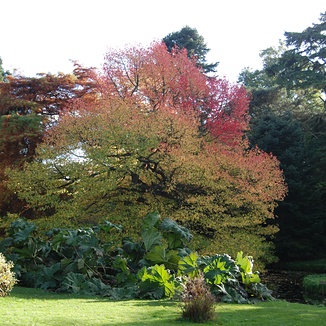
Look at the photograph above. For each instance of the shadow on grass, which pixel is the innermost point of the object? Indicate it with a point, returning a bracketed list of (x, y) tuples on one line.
[(151, 313), (32, 293), (161, 312)]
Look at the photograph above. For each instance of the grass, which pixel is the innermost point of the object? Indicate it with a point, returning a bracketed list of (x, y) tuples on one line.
[(35, 307), (315, 284)]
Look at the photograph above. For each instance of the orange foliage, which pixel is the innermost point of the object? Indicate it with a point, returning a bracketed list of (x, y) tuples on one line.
[(158, 134), (161, 79)]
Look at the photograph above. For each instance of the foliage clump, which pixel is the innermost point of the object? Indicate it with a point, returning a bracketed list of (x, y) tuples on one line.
[(156, 266), (159, 135), (7, 277), (198, 303), (315, 284)]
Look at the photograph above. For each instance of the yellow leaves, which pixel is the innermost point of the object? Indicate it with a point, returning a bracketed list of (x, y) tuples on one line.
[(140, 146)]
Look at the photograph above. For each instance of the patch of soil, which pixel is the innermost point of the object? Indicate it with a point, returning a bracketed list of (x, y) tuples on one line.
[(286, 285)]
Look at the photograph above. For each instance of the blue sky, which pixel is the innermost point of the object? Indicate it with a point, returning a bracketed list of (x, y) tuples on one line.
[(43, 35)]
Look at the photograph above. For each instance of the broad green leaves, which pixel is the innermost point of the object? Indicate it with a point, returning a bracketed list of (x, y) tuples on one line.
[(151, 238), (188, 265), (159, 255), (78, 261), (246, 265), (155, 281), (150, 221), (176, 235)]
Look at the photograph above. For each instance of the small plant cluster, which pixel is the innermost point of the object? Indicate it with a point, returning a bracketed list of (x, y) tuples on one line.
[(198, 303), (315, 287), (7, 277), (156, 266)]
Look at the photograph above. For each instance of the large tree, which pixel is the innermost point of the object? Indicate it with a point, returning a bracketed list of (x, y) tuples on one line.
[(28, 107), (188, 38), (288, 119), (303, 65), (160, 135)]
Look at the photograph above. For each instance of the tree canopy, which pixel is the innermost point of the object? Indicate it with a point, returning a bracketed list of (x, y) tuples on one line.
[(158, 135), (303, 65), (287, 112), (28, 107), (188, 38)]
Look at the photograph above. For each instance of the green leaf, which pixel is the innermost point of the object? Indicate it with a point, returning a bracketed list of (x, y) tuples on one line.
[(21, 230), (220, 268), (151, 290), (107, 226), (245, 263), (175, 234), (254, 278), (215, 276), (246, 266), (150, 220), (188, 265), (142, 273), (123, 293), (66, 261), (81, 263), (74, 282), (157, 279), (172, 227), (47, 279), (27, 252), (96, 286), (121, 263), (160, 274), (156, 255), (151, 237), (159, 255), (169, 289), (49, 271), (174, 242)]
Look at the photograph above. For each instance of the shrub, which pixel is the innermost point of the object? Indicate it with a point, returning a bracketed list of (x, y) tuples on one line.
[(86, 260), (315, 284), (7, 277), (198, 304)]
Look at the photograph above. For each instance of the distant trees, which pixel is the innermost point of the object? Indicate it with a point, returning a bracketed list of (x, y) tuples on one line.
[(288, 119), (158, 135), (188, 38), (303, 64)]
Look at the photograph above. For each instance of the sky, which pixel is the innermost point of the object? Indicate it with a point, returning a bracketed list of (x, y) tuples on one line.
[(41, 36)]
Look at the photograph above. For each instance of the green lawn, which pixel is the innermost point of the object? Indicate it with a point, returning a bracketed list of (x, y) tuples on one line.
[(26, 307)]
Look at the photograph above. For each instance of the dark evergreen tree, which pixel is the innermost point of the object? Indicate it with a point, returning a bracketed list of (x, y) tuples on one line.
[(303, 65), (288, 119), (190, 39)]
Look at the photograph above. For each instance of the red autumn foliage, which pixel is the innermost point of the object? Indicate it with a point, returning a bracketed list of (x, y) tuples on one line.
[(158, 134), (46, 94), (162, 79)]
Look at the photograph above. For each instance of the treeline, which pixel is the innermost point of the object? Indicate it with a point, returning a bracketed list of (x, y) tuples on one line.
[(288, 118), (155, 130)]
